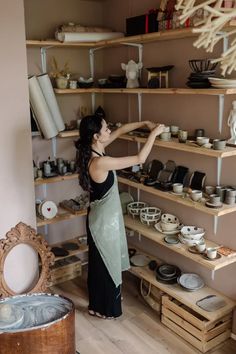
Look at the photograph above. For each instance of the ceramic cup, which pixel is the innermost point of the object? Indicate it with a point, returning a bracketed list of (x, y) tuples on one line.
[(211, 252), (209, 190), (214, 199), (166, 129), (73, 84), (174, 129), (219, 144), (165, 136), (177, 187), (201, 246), (202, 140), (199, 132), (183, 136), (196, 195)]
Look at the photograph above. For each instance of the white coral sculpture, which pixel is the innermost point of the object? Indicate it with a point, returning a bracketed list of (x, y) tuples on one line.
[(212, 28)]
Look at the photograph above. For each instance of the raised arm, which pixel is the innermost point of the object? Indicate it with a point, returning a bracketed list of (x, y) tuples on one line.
[(129, 127), (102, 165)]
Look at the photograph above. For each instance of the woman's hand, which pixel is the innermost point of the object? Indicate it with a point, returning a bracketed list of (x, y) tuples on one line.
[(150, 125), (159, 128)]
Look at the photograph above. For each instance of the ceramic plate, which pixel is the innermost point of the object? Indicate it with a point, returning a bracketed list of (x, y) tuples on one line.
[(193, 249), (171, 240), (210, 205), (140, 260), (179, 194), (191, 281), (158, 228), (218, 256)]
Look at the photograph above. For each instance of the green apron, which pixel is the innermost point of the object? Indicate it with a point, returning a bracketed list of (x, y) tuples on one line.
[(107, 228)]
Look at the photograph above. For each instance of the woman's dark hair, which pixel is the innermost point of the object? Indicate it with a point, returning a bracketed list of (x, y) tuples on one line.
[(89, 126)]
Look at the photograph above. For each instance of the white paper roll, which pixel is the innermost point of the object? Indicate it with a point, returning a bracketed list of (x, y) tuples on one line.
[(49, 95), (41, 109), (87, 36)]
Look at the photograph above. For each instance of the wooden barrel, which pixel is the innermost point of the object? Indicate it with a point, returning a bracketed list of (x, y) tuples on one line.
[(53, 337)]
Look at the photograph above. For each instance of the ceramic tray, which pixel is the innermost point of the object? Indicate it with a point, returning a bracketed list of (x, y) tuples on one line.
[(211, 303)]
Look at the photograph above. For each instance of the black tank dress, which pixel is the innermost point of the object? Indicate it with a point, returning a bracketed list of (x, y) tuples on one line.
[(104, 296)]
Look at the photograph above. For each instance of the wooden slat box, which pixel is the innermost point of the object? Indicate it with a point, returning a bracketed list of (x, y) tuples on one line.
[(71, 270), (193, 327)]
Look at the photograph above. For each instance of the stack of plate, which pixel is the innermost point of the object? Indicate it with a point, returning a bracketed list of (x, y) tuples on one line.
[(167, 273), (190, 282), (222, 83)]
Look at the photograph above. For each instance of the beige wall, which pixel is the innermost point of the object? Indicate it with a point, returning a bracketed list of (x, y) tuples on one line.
[(16, 179)]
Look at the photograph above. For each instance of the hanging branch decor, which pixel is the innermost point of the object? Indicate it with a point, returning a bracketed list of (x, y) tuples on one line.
[(216, 16)]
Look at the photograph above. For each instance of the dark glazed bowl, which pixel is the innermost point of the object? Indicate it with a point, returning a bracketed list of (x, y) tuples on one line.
[(202, 65)]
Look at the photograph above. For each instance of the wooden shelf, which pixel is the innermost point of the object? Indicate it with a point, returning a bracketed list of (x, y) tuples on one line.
[(82, 248), (160, 91), (188, 147), (41, 181), (54, 43), (68, 134), (61, 216), (186, 297), (226, 209), (152, 234)]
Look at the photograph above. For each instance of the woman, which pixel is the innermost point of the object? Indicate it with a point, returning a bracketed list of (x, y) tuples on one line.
[(108, 254)]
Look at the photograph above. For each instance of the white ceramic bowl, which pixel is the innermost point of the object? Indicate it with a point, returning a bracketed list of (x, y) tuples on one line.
[(202, 140), (169, 226), (196, 195), (169, 218), (192, 232), (150, 215), (189, 242)]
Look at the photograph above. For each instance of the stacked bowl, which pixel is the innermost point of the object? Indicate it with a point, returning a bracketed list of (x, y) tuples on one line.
[(202, 70), (191, 235), (167, 273), (169, 223)]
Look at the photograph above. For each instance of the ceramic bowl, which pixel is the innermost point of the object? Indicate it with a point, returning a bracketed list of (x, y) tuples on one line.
[(177, 187), (196, 195), (150, 215), (202, 140), (135, 207), (169, 222), (192, 232), (189, 242)]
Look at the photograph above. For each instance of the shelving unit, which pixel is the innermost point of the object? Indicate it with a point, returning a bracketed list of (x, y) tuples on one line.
[(152, 234), (82, 247), (41, 181)]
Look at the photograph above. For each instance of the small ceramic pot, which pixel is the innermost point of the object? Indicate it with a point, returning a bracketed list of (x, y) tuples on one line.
[(196, 195), (201, 246), (214, 199), (199, 132), (183, 136), (73, 84), (177, 187), (166, 129), (211, 252), (219, 144), (202, 140), (210, 190), (165, 136), (174, 129), (62, 82)]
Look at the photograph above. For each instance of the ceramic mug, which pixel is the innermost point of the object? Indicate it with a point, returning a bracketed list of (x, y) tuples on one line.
[(165, 136), (183, 136), (177, 187), (209, 190), (211, 252), (219, 144), (201, 246), (214, 198), (196, 195), (174, 129), (199, 132)]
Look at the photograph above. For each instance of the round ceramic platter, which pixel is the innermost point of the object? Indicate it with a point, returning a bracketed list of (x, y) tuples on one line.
[(158, 228), (140, 260), (14, 320), (216, 81), (193, 249), (191, 281), (171, 240), (224, 85), (218, 256), (216, 206)]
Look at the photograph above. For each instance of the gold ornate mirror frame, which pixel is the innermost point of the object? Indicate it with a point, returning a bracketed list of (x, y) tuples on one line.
[(24, 234)]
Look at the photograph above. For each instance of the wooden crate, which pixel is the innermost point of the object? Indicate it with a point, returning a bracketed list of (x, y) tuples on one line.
[(193, 327), (60, 274)]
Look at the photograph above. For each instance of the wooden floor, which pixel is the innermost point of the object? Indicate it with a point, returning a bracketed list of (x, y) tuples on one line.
[(137, 331)]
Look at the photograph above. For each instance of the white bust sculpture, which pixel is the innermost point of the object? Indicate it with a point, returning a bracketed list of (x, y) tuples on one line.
[(232, 124), (132, 73)]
